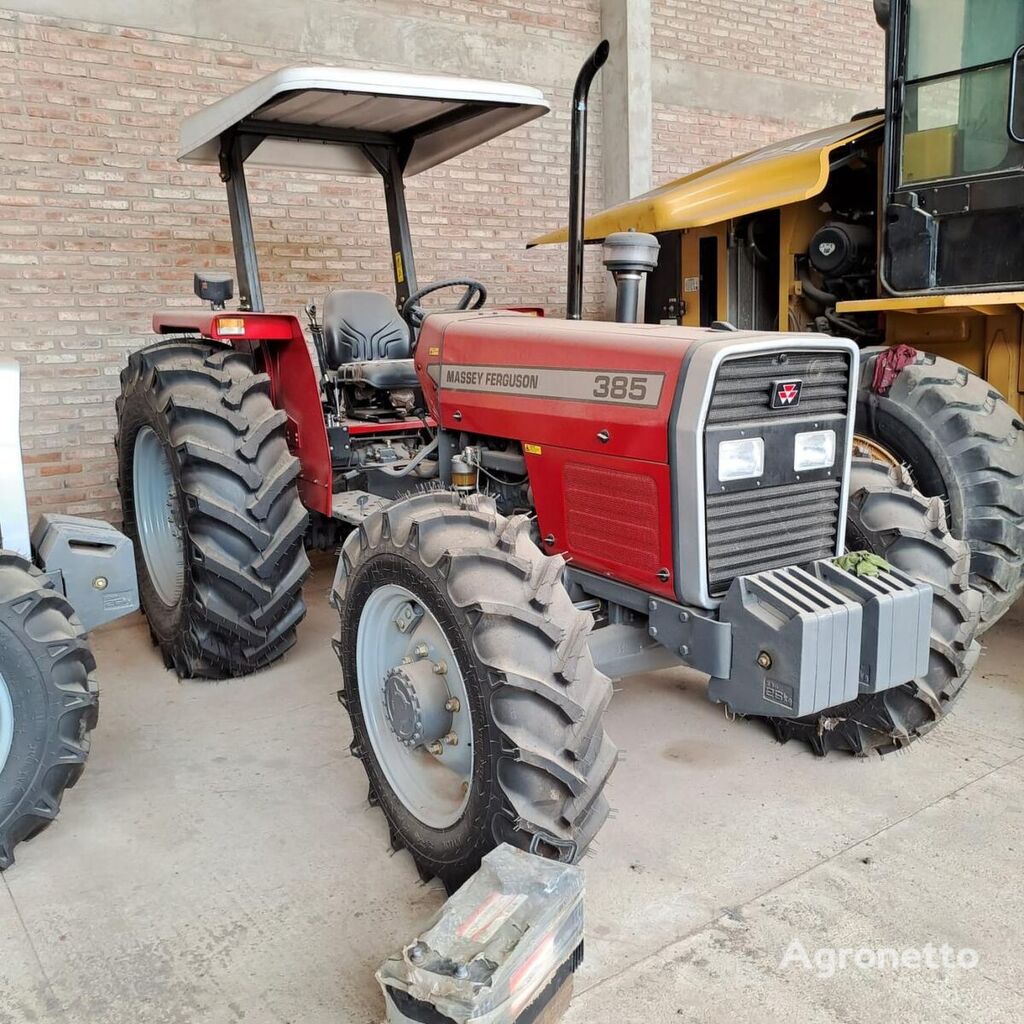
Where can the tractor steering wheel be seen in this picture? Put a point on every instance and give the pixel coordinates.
(473, 297)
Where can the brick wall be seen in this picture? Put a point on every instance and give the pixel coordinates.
(827, 42)
(100, 226)
(834, 45)
(688, 138)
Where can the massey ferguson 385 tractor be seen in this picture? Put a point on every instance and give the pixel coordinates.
(528, 506)
(901, 229)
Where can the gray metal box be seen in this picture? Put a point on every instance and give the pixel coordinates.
(96, 564)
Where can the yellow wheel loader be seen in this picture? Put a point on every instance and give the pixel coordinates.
(903, 230)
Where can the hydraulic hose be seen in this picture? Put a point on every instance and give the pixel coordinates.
(410, 466)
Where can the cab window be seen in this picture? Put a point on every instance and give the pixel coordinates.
(957, 88)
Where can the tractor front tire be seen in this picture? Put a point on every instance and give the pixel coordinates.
(208, 489)
(48, 702)
(491, 617)
(888, 516)
(961, 442)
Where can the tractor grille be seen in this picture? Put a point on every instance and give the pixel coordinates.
(743, 389)
(749, 531)
(784, 523)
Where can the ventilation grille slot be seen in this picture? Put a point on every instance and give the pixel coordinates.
(750, 531)
(612, 515)
(743, 388)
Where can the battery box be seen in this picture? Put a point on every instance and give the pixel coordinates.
(502, 950)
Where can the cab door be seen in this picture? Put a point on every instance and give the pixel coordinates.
(954, 175)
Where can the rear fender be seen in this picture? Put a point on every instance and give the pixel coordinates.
(276, 342)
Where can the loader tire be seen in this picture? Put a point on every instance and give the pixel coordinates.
(889, 517)
(48, 702)
(221, 563)
(527, 693)
(962, 442)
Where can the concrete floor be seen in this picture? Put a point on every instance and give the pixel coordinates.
(219, 863)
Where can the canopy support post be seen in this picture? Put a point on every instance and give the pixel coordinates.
(234, 149)
(390, 163)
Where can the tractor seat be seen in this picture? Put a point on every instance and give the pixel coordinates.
(382, 374)
(361, 327)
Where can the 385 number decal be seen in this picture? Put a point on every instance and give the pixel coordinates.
(620, 387)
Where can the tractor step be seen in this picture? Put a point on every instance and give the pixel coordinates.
(354, 506)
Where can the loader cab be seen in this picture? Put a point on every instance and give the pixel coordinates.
(954, 146)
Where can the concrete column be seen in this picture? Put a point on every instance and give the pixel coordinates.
(627, 111)
(627, 114)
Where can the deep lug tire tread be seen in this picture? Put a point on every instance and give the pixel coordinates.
(974, 441)
(888, 516)
(37, 623)
(243, 522)
(544, 698)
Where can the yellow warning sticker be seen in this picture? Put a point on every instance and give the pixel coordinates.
(399, 269)
(434, 350)
(532, 449)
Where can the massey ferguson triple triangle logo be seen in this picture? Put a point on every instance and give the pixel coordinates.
(785, 394)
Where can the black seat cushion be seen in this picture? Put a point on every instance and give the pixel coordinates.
(360, 326)
(384, 374)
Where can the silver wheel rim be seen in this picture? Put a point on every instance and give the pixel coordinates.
(6, 722)
(434, 786)
(156, 517)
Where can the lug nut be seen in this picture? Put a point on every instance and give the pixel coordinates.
(764, 659)
(435, 748)
(421, 650)
(452, 704)
(451, 739)
(417, 953)
(441, 668)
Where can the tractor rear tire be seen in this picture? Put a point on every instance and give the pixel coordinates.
(889, 517)
(539, 753)
(48, 702)
(221, 563)
(962, 442)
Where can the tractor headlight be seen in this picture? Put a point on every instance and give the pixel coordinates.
(740, 459)
(814, 449)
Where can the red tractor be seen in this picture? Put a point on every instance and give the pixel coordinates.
(528, 506)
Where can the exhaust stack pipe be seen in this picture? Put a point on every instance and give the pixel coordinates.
(628, 255)
(578, 179)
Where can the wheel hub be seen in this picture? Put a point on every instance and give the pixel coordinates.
(157, 517)
(869, 448)
(415, 705)
(415, 697)
(6, 722)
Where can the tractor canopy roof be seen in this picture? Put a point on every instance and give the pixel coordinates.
(785, 172)
(290, 115)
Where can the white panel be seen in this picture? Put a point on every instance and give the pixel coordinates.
(13, 509)
(372, 101)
